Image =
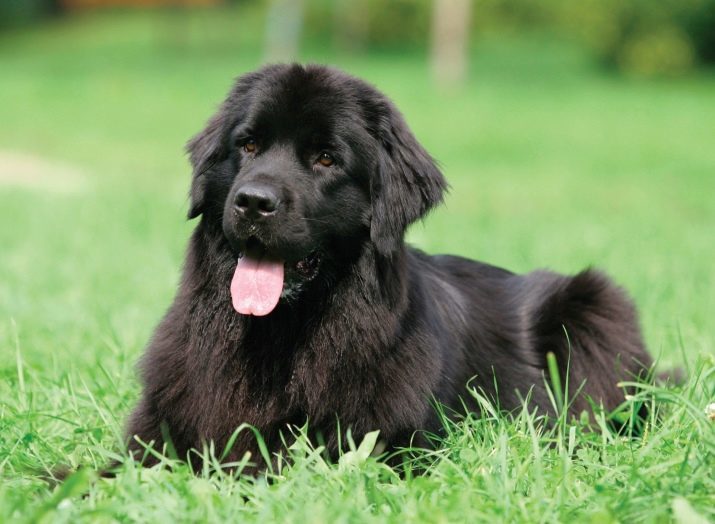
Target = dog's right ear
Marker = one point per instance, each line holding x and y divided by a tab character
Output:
210	146
205	149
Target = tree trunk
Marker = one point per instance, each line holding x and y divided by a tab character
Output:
283	30
450	41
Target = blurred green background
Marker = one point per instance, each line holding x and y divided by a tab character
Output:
573	134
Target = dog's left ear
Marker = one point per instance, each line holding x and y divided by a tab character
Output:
205	149
408	183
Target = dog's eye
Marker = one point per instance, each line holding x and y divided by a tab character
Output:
325	159
249	145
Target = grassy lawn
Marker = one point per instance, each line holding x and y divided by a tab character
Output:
552	163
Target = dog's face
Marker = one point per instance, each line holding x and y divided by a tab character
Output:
302	166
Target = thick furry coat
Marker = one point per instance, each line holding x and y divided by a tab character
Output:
368	332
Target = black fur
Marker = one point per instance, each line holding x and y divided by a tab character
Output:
372	330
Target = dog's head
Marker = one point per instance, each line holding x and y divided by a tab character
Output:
301	165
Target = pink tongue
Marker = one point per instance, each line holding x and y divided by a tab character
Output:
257	285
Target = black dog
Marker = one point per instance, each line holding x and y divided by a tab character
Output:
308	178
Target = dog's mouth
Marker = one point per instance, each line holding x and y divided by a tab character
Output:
259	280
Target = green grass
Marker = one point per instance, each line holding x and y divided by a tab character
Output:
552	163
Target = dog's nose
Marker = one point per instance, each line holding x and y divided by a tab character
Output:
253	200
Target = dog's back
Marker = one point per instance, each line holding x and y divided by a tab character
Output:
506	324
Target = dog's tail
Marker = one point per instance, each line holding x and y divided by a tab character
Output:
591	326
